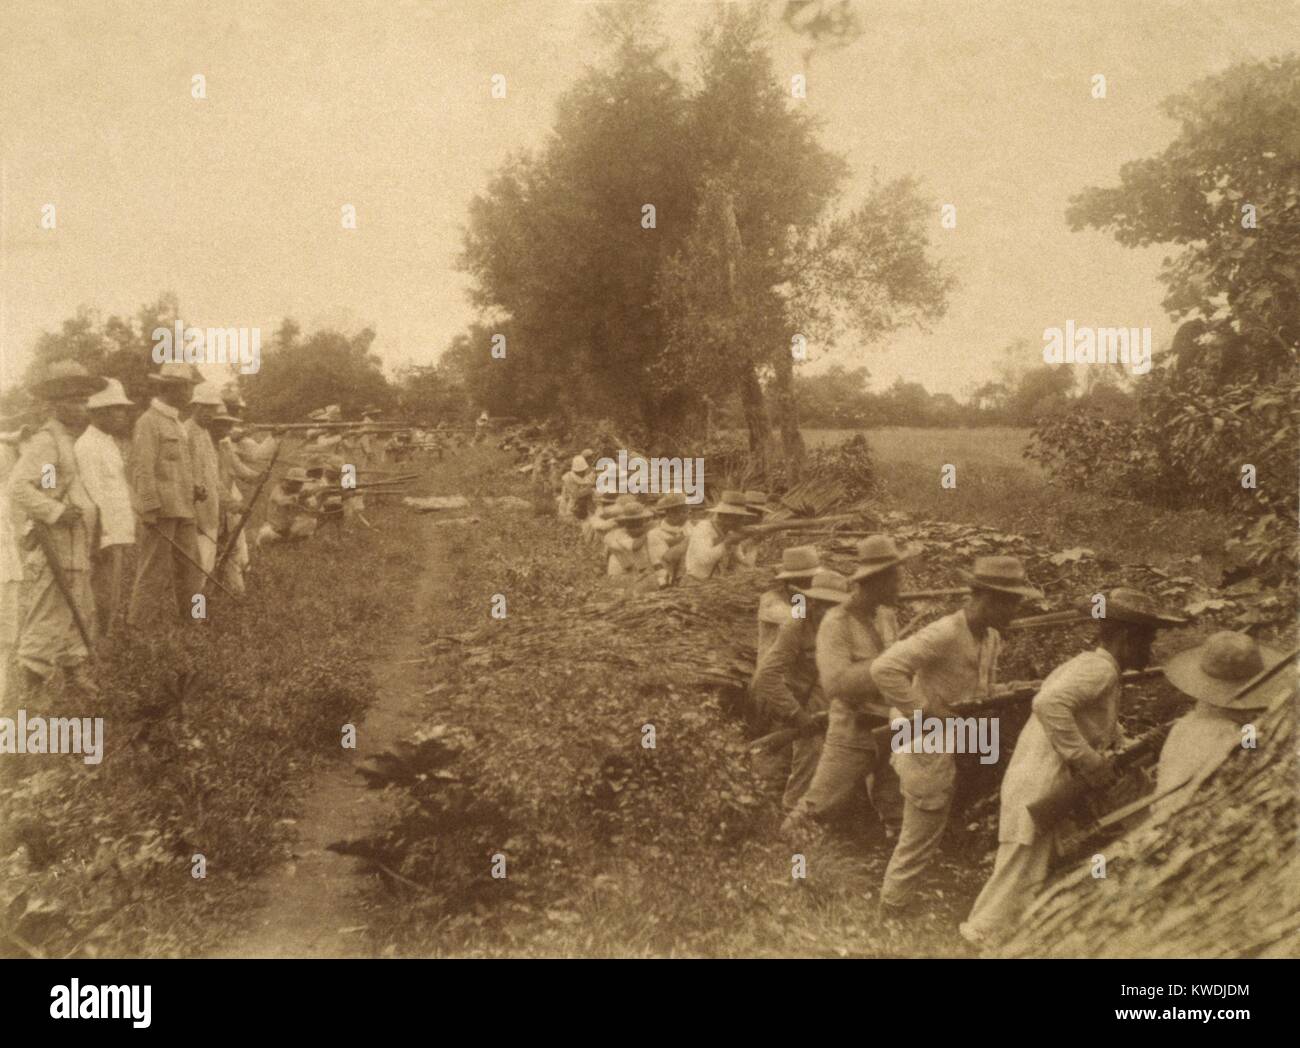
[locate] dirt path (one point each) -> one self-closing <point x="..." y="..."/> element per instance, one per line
<point x="310" y="905"/>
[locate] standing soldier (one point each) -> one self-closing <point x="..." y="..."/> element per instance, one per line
<point x="1075" y="720"/>
<point x="56" y="510"/>
<point x="952" y="660"/>
<point x="230" y="471"/>
<point x="786" y="686"/>
<point x="14" y="431"/>
<point x="849" y="641"/>
<point x="101" y="460"/>
<point x="204" y="402"/>
<point x="162" y="482"/>
<point x="576" y="490"/>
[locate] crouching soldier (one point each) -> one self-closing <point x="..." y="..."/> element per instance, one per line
<point x="288" y="513"/>
<point x="1075" y="719"/>
<point x="628" y="561"/>
<point x="1215" y="674"/>
<point x="786" y="685"/>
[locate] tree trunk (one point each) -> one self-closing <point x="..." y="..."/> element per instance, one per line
<point x="751" y="396"/>
<point x="787" y="418"/>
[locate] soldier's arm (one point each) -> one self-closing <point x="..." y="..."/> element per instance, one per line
<point x="25" y="489"/>
<point x="1055" y="708"/>
<point x="894" y="669"/>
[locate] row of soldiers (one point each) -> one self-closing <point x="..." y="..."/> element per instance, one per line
<point x="84" y="487"/>
<point x="830" y="651"/>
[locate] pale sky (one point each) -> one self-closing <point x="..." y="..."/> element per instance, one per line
<point x="234" y="201"/>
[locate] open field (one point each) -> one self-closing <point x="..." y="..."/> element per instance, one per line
<point x="997" y="486"/>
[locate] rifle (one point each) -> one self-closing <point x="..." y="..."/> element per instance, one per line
<point x="45" y="541"/>
<point x="243" y="519"/>
<point x="1047" y="811"/>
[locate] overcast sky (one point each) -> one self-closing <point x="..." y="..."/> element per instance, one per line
<point x="234" y="202"/>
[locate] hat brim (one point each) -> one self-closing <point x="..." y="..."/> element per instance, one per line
<point x="800" y="573"/>
<point x="173" y="379"/>
<point x="1017" y="589"/>
<point x="727" y="510"/>
<point x="826" y="596"/>
<point x="1184" y="672"/>
<point x="865" y="571"/>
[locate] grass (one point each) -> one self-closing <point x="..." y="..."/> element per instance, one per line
<point x="996" y="486"/>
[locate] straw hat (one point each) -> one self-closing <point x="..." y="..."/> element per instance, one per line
<point x="1216" y="671"/>
<point x="799" y="562"/>
<point x="757" y="501"/>
<point x="176" y="372"/>
<point x="1002" y="575"/>
<point x="672" y="500"/>
<point x="877" y="553"/>
<point x="579" y="464"/>
<point x="65" y="380"/>
<point x="829" y="586"/>
<point x="207" y="393"/>
<point x="630" y="510"/>
<point x="732" y="504"/>
<point x="297" y="473"/>
<point x="111" y="396"/>
<point x="223" y="415"/>
<point x="1130" y="605"/>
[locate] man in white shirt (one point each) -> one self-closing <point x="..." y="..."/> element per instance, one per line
<point x="952" y="660"/>
<point x="667" y="539"/>
<point x="102" y="464"/>
<point x="712" y="547"/>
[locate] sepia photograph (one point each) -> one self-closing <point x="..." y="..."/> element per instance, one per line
<point x="649" y="479"/>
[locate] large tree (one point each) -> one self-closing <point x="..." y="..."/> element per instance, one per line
<point x="298" y="375"/>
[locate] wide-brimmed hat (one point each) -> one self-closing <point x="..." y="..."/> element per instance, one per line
<point x="671" y="500"/>
<point x="65" y="380"/>
<point x="877" y="553"/>
<point x="1124" y="604"/>
<point x="579" y="464"/>
<point x="1002" y="575"/>
<point x="297" y="473"/>
<point x="111" y="396"/>
<point x="732" y="504"/>
<point x="629" y="509"/>
<point x="799" y="562"/>
<point x="176" y="372"/>
<point x="223" y="415"/>
<point x="231" y="395"/>
<point x="1217" y="671"/>
<point x="207" y="393"/>
<point x="757" y="501"/>
<point x="827" y="585"/>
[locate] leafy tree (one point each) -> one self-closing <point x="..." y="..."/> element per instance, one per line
<point x="300" y="374"/>
<point x="1227" y="190"/>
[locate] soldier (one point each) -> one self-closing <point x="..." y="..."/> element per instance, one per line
<point x="50" y="500"/>
<point x="15" y="429"/>
<point x="1213" y="674"/>
<point x="287" y="516"/>
<point x="627" y="554"/>
<point x="668" y="538"/>
<point x="1075" y="719"/>
<point x="577" y="487"/>
<point x="164" y="492"/>
<point x="849" y="641"/>
<point x="952" y="660"/>
<point x="600" y="522"/>
<point x="230" y="470"/>
<point x="101" y="460"/>
<point x="204" y="402"/>
<point x="786" y="685"/>
<point x="798" y="565"/>
<point x="712" y="546"/>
